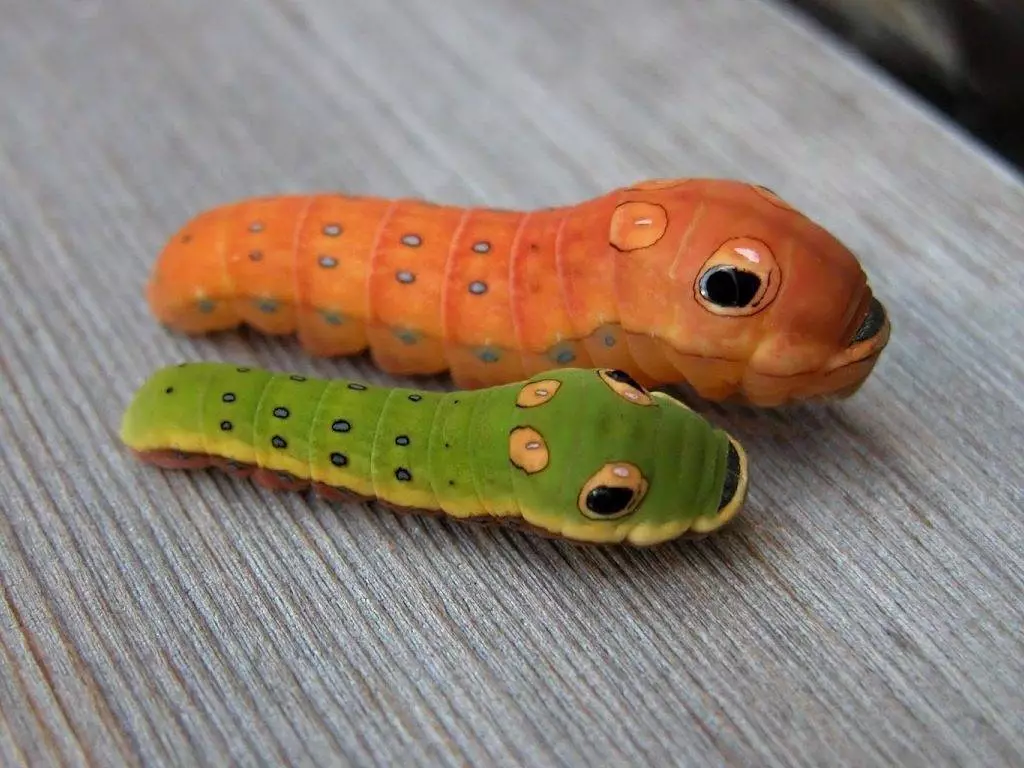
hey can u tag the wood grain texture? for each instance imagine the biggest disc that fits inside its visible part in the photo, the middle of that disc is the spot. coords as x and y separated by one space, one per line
866 609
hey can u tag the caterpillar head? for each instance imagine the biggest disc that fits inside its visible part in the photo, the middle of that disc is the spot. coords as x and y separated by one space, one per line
597 458
751 297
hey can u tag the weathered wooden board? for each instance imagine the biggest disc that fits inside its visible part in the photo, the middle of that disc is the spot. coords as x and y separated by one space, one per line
866 610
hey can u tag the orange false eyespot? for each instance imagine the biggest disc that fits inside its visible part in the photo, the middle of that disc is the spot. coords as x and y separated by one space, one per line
625 386
741 278
637 225
537 393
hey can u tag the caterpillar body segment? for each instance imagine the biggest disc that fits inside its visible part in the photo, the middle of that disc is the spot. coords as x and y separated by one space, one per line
714 283
586 455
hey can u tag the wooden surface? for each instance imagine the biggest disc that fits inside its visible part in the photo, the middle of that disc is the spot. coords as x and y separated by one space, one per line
865 610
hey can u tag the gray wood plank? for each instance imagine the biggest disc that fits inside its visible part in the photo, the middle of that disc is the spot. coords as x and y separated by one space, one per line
865 610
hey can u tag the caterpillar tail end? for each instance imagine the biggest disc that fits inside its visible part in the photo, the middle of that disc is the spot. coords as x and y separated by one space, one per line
145 426
161 423
189 289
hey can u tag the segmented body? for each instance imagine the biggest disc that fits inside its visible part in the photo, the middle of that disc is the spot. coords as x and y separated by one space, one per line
718 284
586 455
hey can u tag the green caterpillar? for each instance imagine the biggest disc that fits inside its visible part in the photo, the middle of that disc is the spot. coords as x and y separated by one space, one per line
585 455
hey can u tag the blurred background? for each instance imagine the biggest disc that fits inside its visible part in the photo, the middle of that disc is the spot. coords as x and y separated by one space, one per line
966 57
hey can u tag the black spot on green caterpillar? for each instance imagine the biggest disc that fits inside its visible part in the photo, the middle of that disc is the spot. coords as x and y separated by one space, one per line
585 455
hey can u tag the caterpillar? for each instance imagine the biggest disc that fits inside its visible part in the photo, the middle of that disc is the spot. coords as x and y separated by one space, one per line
586 455
715 284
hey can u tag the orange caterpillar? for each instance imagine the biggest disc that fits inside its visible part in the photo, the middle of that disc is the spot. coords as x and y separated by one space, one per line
719 284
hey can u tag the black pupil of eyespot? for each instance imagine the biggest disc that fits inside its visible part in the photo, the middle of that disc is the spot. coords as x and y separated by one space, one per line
609 499
728 286
624 378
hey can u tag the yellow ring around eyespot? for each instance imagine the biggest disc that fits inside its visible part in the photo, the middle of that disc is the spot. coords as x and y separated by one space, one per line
614 474
528 450
634 394
749 255
637 225
537 393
